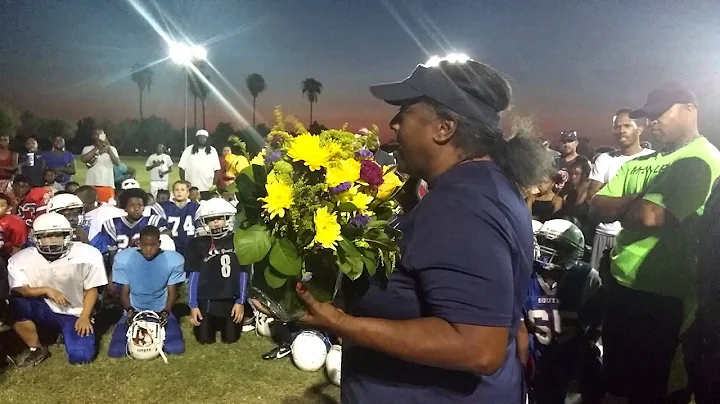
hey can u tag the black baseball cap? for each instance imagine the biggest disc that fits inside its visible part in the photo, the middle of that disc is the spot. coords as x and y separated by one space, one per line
568 136
663 98
455 85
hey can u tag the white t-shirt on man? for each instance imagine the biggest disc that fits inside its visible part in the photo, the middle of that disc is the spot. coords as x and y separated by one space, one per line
605 168
166 163
81 269
101 174
200 167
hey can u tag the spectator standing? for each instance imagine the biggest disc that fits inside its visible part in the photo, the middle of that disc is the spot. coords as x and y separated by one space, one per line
32 164
8 163
200 163
627 133
101 157
160 167
546 203
60 160
652 293
568 154
442 328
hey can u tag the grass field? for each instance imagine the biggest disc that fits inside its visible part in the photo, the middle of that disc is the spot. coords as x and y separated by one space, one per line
212 374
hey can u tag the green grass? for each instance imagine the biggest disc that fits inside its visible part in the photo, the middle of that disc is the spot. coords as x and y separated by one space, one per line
212 374
138 163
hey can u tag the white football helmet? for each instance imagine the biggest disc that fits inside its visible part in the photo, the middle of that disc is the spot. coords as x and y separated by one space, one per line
146 336
536 225
213 208
333 363
262 324
130 183
68 205
309 350
52 223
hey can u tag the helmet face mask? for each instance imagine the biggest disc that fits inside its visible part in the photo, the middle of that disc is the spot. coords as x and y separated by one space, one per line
146 337
52 235
559 242
211 211
69 206
73 215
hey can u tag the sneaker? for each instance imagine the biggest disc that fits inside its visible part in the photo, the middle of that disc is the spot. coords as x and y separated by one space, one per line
285 350
272 354
34 357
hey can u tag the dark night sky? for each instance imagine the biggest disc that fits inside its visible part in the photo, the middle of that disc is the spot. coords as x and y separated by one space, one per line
573 63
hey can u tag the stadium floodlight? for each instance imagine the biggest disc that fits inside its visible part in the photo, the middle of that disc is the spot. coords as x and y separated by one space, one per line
184 55
451 58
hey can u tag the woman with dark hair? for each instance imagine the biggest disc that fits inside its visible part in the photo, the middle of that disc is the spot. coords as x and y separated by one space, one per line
199 163
575 195
442 327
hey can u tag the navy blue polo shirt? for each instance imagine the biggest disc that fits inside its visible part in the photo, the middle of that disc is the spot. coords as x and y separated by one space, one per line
466 258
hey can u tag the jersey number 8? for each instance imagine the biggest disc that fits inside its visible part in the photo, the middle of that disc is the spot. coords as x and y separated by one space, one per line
225 265
188 226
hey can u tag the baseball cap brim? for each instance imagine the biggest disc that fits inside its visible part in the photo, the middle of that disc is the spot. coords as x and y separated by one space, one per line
395 93
654 109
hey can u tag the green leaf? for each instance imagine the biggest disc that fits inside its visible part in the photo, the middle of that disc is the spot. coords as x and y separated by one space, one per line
383 212
347 207
273 278
351 266
375 223
252 244
370 260
259 174
247 189
285 259
249 173
348 247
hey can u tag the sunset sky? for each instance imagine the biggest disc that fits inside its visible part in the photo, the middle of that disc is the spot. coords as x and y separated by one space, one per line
572 63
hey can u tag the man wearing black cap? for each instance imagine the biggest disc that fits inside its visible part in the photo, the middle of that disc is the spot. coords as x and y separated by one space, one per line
568 155
657 198
442 328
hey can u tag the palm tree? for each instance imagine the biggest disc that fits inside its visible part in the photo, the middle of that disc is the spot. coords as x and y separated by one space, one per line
199 90
143 77
255 84
311 88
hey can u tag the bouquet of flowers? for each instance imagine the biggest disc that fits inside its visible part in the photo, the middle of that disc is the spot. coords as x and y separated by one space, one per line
314 208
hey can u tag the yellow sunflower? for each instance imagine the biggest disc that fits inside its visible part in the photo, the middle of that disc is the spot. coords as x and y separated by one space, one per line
279 196
390 183
347 170
307 148
327 229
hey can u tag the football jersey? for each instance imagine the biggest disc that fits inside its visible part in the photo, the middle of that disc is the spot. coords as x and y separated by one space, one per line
79 270
218 267
98 216
556 311
181 221
14 233
119 233
33 204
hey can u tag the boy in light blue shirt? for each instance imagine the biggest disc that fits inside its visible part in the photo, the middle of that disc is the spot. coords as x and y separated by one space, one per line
149 277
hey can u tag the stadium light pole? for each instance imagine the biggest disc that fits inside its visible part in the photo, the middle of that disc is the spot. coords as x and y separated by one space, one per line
185 55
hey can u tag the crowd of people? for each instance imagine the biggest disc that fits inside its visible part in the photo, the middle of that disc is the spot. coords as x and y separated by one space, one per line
523 270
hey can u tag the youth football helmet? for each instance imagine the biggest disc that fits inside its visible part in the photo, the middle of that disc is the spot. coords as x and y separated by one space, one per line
560 242
146 336
333 364
213 208
130 183
52 223
309 350
68 205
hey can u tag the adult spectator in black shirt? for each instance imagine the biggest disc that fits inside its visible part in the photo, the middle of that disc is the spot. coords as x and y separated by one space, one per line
32 164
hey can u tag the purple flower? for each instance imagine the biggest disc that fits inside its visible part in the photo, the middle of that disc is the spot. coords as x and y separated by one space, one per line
344 186
364 154
273 157
360 220
371 173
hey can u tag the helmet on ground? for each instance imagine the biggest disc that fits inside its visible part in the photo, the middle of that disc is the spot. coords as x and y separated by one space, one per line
217 208
333 364
146 336
309 350
560 242
68 205
51 224
129 183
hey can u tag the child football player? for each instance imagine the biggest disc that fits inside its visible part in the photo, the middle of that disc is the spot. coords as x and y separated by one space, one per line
13 228
180 215
217 282
563 317
29 202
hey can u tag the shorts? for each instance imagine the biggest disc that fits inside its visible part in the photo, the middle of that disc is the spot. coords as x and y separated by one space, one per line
155 186
641 337
105 194
217 316
601 243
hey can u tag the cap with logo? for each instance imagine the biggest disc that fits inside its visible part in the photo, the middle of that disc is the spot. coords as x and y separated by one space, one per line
568 136
662 99
454 83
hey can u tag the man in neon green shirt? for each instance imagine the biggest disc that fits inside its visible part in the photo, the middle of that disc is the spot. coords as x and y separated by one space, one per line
658 199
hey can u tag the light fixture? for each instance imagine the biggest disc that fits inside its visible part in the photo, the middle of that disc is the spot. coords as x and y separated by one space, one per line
455 58
184 54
